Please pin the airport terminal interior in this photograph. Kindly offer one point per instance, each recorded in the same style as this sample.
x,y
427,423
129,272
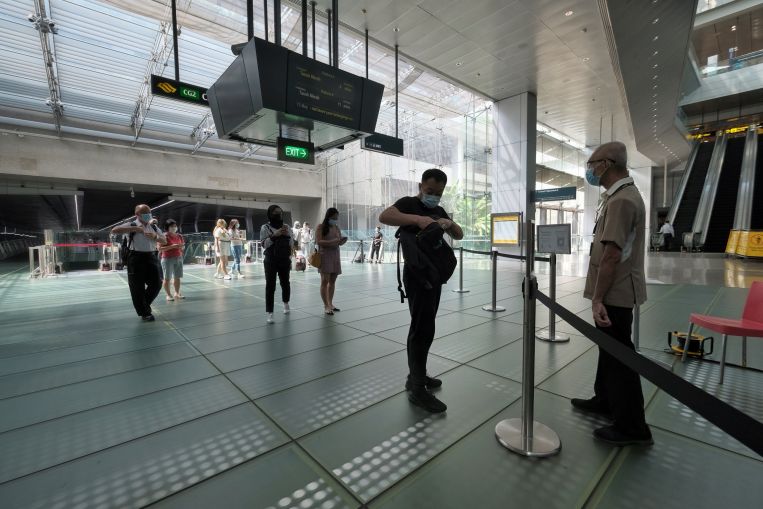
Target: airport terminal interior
x,y
187,116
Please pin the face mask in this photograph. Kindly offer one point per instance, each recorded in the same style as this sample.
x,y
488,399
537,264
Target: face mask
x,y
173,229
145,217
592,179
430,200
235,226
333,222
276,220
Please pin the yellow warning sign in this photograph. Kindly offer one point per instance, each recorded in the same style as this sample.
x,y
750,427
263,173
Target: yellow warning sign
x,y
750,244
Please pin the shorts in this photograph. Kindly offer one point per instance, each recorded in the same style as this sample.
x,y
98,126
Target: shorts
x,y
172,267
224,249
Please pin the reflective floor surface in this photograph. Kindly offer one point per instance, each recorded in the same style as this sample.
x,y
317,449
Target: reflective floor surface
x,y
210,407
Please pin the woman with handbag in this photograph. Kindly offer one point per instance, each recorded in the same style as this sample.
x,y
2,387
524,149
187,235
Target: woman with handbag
x,y
328,238
278,244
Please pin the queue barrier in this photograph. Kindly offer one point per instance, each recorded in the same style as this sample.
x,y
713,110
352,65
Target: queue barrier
x,y
731,420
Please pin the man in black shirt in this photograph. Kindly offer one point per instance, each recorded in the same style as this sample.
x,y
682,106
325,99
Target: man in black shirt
x,y
416,213
376,245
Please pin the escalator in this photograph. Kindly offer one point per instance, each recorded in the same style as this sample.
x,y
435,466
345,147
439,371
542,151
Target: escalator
x,y
722,217
756,221
691,196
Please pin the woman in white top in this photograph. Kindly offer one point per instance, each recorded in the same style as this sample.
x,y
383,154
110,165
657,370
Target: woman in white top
x,y
222,249
237,244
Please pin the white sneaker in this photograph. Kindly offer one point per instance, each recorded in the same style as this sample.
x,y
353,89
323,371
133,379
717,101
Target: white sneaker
x,y
227,277
270,318
286,309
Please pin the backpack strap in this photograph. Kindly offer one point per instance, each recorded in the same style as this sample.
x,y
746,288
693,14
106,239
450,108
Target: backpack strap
x,y
403,296
132,234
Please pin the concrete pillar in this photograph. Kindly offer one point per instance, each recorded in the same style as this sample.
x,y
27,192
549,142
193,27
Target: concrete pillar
x,y
513,176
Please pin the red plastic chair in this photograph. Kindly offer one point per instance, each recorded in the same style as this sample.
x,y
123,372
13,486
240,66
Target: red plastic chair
x,y
751,324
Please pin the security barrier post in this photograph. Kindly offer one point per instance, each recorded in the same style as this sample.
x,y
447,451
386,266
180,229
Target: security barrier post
x,y
550,335
492,306
460,288
524,435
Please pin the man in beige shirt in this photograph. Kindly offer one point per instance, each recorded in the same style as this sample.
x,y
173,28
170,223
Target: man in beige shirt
x,y
615,284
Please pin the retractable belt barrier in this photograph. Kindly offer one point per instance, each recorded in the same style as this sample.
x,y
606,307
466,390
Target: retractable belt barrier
x,y
736,423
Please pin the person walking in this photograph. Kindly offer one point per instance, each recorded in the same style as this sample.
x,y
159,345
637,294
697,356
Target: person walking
x,y
222,249
328,238
667,234
376,244
416,213
171,254
614,284
277,242
143,269
237,245
306,239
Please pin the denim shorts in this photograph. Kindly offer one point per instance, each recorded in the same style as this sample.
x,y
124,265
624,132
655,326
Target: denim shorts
x,y
172,267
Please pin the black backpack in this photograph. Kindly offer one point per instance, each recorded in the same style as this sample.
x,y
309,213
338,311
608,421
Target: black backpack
x,y
281,247
428,256
124,249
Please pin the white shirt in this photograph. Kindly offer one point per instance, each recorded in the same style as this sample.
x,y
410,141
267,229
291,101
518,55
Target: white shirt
x,y
667,228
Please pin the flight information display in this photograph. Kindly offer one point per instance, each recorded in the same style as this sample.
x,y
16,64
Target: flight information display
x,y
323,93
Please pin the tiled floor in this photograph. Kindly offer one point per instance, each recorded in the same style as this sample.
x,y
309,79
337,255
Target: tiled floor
x,y
210,407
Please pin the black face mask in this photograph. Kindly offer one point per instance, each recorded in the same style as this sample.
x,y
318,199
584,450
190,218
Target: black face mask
x,y
276,220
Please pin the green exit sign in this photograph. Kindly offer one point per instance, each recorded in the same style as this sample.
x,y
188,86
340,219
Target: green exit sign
x,y
296,151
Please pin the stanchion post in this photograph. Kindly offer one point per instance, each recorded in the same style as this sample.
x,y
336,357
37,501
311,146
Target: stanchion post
x,y
525,436
460,288
550,335
493,307
636,323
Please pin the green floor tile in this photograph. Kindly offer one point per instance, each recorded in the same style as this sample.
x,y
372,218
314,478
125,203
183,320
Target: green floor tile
x,y
549,358
373,449
377,324
479,472
300,483
266,351
34,448
24,383
52,403
476,341
677,473
274,376
143,471
311,406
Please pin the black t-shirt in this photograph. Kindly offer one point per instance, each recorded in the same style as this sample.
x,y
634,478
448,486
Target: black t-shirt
x,y
413,205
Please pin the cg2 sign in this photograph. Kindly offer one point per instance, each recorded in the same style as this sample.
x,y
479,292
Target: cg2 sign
x,y
178,90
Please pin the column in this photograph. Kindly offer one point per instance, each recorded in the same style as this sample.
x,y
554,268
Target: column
x,y
513,175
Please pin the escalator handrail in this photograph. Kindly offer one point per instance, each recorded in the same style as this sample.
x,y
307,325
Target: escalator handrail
x,y
709,189
682,185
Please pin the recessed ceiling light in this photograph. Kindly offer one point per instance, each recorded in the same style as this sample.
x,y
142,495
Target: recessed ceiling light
x,y
459,64
655,66
569,13
733,28
654,87
396,29
586,59
655,76
655,38
655,21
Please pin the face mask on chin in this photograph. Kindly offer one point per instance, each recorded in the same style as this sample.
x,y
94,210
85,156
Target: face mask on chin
x,y
173,229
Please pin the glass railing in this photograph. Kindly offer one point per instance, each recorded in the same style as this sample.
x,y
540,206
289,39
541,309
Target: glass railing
x,y
733,64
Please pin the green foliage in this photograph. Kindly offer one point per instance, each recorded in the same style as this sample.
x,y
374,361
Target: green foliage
x,y
471,212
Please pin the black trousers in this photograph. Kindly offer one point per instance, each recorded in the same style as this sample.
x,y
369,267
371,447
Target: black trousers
x,y
617,386
423,304
281,268
668,238
144,276
375,251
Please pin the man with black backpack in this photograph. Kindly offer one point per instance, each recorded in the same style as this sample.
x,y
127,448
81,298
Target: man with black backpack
x,y
143,269
429,262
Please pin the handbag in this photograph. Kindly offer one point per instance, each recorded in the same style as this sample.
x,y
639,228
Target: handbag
x,y
315,259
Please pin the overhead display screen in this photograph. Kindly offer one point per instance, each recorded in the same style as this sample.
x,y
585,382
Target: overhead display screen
x,y
323,93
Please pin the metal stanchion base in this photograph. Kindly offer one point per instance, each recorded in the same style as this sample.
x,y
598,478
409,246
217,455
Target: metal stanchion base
x,y
547,337
497,309
460,290
545,442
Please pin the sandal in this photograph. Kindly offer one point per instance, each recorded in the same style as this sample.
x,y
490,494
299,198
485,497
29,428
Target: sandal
x,y
336,309
179,296
329,312
170,299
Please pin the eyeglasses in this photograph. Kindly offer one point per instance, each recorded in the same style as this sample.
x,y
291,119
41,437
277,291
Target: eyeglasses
x,y
593,163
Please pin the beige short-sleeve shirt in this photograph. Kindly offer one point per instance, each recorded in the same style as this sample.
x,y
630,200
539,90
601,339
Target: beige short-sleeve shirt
x,y
622,221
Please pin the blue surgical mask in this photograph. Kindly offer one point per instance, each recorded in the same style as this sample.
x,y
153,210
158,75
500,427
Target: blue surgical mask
x,y
592,179
333,222
145,218
430,200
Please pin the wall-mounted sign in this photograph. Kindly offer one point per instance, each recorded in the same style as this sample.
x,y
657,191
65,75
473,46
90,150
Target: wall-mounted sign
x,y
383,143
296,151
555,238
504,228
555,194
167,87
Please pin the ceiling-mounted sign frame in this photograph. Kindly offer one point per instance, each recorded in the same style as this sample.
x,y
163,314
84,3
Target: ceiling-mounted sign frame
x,y
178,90
555,194
383,144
